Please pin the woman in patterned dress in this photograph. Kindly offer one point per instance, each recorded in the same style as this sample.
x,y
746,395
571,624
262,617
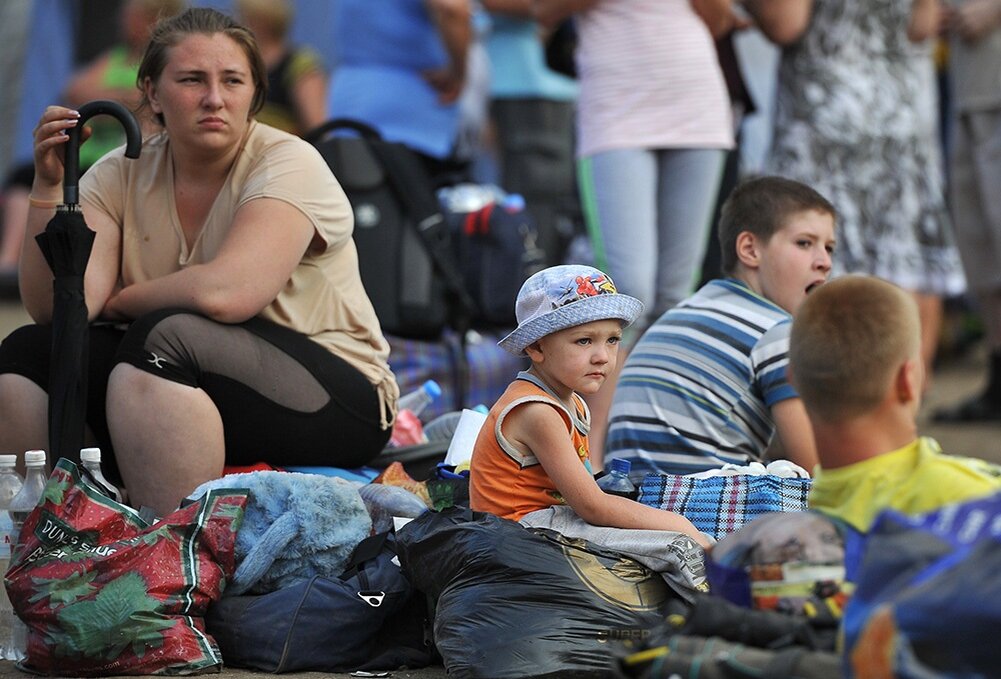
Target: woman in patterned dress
x,y
856,120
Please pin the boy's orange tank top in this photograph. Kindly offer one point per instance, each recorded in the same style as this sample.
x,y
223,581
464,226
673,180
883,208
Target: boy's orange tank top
x,y
507,482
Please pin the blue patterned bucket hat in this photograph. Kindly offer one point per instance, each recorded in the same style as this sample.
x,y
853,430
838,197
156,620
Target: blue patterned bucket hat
x,y
562,297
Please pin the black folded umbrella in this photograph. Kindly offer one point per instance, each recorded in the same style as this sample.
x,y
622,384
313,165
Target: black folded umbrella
x,y
66,244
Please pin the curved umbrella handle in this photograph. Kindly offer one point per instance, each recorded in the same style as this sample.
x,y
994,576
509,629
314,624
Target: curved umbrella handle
x,y
133,142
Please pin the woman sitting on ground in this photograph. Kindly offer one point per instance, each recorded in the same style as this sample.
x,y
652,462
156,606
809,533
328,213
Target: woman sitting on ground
x,y
241,331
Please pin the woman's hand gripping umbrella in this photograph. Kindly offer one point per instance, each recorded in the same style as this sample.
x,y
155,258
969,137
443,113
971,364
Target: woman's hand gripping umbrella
x,y
66,244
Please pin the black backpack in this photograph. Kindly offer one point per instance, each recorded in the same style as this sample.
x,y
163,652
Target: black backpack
x,y
404,246
496,250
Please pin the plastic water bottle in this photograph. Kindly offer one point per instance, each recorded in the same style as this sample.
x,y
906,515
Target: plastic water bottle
x,y
383,502
616,481
465,198
443,427
90,459
21,506
419,399
10,483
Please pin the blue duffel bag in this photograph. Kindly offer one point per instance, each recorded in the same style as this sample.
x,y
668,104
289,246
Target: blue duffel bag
x,y
368,618
927,602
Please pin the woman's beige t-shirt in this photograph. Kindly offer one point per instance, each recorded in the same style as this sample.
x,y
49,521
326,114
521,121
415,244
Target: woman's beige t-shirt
x,y
324,299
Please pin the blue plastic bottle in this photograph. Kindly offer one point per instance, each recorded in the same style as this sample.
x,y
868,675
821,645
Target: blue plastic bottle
x,y
420,398
616,481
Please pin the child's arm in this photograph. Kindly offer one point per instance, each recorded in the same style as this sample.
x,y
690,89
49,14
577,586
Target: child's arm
x,y
541,429
795,435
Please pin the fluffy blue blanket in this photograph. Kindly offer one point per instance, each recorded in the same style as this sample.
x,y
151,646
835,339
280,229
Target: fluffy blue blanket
x,y
295,526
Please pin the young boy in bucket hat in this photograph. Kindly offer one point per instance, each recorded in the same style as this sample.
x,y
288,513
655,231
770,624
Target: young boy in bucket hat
x,y
706,384
532,451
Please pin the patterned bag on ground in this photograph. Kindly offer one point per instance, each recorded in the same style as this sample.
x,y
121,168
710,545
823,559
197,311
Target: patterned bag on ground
x,y
104,593
719,505
793,563
517,602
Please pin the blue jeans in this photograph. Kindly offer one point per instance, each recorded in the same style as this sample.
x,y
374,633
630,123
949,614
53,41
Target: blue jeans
x,y
648,212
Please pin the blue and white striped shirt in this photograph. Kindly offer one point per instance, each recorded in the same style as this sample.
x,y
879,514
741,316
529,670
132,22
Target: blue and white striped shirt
x,y
696,390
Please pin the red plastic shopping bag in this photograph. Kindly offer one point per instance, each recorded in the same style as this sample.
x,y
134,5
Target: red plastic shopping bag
x,y
103,592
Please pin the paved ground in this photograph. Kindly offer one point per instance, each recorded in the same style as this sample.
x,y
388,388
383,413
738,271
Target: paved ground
x,y
953,380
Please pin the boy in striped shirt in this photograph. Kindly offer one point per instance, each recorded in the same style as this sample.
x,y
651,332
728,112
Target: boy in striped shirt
x,y
706,384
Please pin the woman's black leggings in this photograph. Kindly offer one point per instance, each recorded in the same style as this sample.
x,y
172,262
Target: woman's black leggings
x,y
283,398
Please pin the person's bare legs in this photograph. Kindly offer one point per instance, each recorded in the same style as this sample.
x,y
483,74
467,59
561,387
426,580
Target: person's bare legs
x,y
24,408
930,311
990,311
168,437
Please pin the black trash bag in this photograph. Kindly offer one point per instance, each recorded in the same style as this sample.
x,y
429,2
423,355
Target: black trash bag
x,y
519,602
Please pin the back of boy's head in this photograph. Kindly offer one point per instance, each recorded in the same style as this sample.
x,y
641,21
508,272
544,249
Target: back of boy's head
x,y
761,206
848,340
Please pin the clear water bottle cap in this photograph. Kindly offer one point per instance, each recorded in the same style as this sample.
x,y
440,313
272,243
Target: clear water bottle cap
x,y
432,389
620,465
34,458
90,455
8,460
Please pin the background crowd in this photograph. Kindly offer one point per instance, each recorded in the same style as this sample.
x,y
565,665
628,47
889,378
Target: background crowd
x,y
624,162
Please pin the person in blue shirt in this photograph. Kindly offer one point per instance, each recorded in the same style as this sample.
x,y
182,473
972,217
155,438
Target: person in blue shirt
x,y
401,68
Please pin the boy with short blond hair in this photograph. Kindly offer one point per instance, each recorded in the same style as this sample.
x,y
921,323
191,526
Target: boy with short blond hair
x,y
706,384
532,451
855,359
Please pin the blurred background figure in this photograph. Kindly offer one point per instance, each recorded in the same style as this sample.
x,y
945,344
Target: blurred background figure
x,y
974,30
653,128
401,68
297,77
856,118
111,75
15,18
532,110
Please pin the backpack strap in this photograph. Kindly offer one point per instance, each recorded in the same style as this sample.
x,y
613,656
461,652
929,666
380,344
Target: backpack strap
x,y
365,552
410,181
